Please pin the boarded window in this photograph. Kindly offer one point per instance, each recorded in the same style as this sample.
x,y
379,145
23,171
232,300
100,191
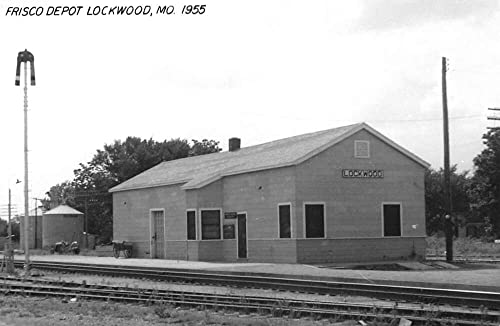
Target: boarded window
x,y
361,149
315,221
191,225
228,231
210,225
284,220
392,220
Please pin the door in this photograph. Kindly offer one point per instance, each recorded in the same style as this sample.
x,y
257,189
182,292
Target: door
x,y
242,236
158,234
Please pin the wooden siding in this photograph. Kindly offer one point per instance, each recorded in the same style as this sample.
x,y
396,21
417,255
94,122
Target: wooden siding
x,y
358,250
353,210
272,251
258,194
31,231
211,250
131,215
353,206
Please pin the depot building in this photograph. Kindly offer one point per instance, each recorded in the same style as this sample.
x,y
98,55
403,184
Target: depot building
x,y
347,194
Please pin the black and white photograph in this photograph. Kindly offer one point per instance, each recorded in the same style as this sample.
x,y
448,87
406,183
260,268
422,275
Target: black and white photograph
x,y
250,162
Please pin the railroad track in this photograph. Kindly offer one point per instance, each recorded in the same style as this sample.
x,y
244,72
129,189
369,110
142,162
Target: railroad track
x,y
418,314
473,299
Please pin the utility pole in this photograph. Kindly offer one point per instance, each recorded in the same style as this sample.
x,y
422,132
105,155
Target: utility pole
x,y
448,225
26,56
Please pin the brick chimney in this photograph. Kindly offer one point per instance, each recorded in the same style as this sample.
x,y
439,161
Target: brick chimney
x,y
234,144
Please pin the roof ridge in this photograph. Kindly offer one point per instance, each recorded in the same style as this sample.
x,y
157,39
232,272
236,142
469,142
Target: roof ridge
x,y
196,171
243,149
303,135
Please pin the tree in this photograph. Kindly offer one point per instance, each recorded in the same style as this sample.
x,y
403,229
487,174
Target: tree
x,y
59,194
117,162
487,181
434,197
204,147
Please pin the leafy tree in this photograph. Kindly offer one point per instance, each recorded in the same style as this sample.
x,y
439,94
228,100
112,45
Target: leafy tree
x,y
487,181
434,197
61,193
117,162
204,147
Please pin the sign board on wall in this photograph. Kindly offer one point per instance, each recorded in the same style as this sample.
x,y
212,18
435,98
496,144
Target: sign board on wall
x,y
229,215
354,173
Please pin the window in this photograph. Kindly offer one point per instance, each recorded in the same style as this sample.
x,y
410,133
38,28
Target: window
x,y
284,220
191,225
392,220
315,220
210,224
361,148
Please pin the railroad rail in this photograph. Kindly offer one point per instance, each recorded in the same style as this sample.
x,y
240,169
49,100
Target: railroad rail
x,y
418,314
468,298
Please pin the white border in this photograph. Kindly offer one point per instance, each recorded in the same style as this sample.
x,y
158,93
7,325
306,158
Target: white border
x,y
400,217
151,226
291,219
220,223
304,218
195,224
246,231
361,141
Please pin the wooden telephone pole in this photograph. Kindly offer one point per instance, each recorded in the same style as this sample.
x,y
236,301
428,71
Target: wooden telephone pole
x,y
448,225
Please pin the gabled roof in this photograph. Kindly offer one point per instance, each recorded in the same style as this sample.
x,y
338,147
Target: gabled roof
x,y
63,210
198,171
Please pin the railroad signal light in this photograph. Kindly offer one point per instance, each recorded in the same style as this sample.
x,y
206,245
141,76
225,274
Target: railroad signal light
x,y
25,56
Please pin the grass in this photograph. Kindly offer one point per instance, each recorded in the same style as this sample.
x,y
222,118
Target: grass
x,y
31,311
465,247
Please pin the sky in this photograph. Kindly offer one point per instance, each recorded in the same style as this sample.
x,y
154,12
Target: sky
x,y
257,70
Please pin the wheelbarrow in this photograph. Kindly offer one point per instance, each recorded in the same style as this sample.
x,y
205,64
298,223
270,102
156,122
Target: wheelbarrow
x,y
119,246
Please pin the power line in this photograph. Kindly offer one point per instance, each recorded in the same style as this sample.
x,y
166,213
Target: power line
x,y
431,119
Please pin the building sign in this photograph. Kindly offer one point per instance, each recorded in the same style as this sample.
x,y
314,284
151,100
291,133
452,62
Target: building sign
x,y
371,174
229,215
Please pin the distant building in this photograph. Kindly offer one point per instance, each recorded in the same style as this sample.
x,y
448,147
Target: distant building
x,y
35,228
60,223
338,195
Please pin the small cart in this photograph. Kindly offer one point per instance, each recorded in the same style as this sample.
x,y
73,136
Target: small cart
x,y
124,246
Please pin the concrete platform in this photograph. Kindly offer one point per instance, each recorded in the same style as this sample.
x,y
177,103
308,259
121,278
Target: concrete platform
x,y
484,277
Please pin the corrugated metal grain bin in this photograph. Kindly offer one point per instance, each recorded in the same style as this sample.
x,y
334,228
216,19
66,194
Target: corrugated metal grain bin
x,y
62,223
